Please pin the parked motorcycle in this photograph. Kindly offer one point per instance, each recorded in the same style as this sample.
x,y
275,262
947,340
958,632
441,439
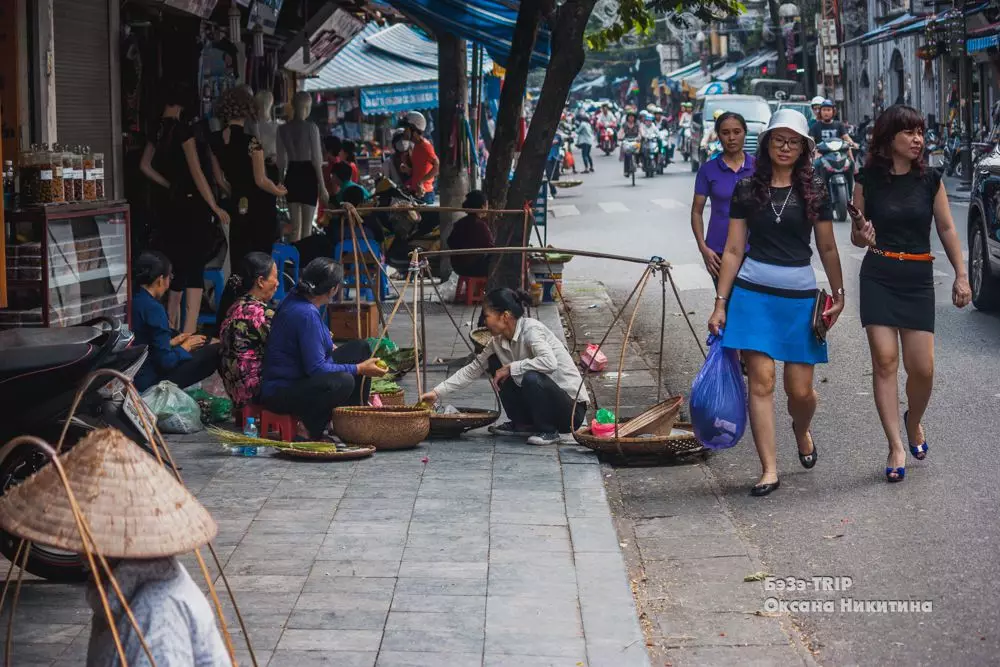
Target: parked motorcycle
x,y
650,153
608,140
934,154
631,148
833,163
40,373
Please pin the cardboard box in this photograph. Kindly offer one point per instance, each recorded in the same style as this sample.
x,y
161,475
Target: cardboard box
x,y
344,320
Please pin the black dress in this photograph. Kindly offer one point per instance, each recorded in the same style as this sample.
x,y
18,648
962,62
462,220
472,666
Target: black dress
x,y
185,229
894,293
253,212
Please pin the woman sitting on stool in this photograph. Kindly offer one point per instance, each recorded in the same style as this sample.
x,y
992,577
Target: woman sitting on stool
x,y
472,231
537,379
304,374
183,359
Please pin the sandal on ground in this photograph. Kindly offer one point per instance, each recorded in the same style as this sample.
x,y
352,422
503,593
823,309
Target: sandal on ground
x,y
919,452
808,461
764,489
893,475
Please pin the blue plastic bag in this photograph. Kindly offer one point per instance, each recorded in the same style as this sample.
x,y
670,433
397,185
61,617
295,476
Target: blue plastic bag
x,y
719,398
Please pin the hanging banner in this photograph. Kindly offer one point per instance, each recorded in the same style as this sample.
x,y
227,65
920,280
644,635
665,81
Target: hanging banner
x,y
332,35
200,8
400,97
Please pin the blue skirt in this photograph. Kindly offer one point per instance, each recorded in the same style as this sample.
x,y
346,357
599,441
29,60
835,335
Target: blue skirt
x,y
776,325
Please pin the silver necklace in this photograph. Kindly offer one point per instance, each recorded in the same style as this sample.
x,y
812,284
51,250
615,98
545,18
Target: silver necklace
x,y
777,213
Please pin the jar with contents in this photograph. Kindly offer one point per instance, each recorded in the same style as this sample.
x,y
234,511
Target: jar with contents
x,y
89,175
69,176
28,173
49,177
78,174
99,175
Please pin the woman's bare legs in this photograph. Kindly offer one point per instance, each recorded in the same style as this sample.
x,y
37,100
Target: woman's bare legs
x,y
801,403
761,376
884,344
918,360
192,299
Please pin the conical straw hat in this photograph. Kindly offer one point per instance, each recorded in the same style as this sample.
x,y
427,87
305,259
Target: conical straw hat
x,y
134,507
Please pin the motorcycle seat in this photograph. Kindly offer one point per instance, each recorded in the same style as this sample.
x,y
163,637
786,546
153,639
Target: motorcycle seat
x,y
26,337
23,361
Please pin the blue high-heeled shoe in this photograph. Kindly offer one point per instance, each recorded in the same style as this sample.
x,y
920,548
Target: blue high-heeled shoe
x,y
893,475
919,452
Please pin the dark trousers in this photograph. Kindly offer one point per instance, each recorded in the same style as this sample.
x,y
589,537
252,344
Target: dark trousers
x,y
203,362
552,172
588,162
314,398
538,402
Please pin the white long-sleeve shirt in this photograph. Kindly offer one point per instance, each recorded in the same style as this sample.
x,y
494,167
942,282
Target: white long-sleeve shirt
x,y
533,348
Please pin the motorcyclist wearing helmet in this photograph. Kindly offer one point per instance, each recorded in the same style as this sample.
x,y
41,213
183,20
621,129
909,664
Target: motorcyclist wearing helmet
x,y
424,160
629,131
710,135
816,104
826,128
646,128
685,117
607,117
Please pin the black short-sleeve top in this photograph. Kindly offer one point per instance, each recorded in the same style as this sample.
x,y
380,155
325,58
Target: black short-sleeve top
x,y
900,207
782,239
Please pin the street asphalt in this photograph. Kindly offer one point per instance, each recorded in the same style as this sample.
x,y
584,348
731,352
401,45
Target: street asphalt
x,y
933,538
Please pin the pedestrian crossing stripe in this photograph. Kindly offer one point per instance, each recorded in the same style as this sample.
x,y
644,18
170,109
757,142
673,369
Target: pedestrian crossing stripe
x,y
670,204
613,207
563,210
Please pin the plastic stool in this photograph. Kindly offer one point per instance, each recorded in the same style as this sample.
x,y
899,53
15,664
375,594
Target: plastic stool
x,y
470,290
284,425
282,253
218,281
246,412
370,254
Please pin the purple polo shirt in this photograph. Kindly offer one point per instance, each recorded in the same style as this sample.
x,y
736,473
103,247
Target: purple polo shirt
x,y
717,181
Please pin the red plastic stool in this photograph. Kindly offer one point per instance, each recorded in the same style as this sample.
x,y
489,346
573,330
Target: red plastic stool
x,y
246,412
284,425
470,290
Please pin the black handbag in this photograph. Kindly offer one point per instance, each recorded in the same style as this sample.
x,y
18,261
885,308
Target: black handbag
x,y
822,303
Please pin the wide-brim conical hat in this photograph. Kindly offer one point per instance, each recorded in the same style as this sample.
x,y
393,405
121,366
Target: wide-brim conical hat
x,y
134,507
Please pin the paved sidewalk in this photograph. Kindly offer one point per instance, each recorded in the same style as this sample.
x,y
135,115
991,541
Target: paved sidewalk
x,y
473,551
683,549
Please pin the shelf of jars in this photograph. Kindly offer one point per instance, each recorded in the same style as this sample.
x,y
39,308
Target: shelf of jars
x,y
67,263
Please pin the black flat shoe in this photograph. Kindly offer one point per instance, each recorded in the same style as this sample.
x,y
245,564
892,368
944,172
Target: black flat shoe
x,y
764,489
808,461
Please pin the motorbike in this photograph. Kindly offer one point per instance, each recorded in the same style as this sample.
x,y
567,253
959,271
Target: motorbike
x,y
40,373
666,154
714,149
934,154
403,231
833,163
632,149
687,149
608,140
650,155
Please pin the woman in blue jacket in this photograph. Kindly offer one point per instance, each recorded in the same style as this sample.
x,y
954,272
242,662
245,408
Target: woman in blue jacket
x,y
304,374
183,359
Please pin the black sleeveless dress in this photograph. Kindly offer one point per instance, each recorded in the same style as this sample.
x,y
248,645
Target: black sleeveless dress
x,y
253,212
894,293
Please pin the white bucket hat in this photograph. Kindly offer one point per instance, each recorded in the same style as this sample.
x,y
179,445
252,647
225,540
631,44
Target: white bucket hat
x,y
788,119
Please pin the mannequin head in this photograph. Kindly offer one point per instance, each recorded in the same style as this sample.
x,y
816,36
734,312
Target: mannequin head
x,y
264,101
302,104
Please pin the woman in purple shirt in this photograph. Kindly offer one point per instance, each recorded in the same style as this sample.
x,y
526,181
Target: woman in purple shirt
x,y
304,374
716,181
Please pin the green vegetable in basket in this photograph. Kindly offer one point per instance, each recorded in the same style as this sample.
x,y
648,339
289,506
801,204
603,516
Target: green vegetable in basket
x,y
382,386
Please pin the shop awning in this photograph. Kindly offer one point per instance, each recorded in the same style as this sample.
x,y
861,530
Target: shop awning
x,y
487,22
759,60
977,44
897,22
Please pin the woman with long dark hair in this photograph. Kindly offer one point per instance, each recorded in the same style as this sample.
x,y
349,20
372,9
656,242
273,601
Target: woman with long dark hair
x,y
184,199
716,181
895,199
767,286
246,326
304,374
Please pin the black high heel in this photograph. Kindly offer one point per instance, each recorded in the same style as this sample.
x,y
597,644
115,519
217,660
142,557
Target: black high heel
x,y
919,452
808,461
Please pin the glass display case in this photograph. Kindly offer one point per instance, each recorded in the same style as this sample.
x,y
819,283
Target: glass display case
x,y
67,263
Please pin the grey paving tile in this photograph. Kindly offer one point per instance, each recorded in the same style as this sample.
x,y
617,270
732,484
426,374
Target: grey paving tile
x,y
24,653
285,527
683,627
514,660
388,515
415,659
255,564
726,593
376,587
532,616
373,546
449,632
604,653
606,601
587,503
691,546
378,490
296,543
527,517
458,528
302,488
514,537
582,477
357,568
440,586
469,604
354,503
363,641
576,454
745,656
520,643
339,611
264,633
444,569
594,534
266,583
684,526
324,658
386,528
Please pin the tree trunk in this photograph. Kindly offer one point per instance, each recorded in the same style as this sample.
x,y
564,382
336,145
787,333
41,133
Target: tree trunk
x,y
779,39
453,96
567,59
511,99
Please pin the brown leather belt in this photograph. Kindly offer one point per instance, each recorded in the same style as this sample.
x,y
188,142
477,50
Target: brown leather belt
x,y
904,256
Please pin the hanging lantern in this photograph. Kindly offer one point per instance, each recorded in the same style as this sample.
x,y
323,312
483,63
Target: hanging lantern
x,y
258,41
234,23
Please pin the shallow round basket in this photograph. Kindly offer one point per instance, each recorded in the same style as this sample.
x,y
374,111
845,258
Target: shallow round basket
x,y
454,425
481,338
392,398
673,444
382,428
568,183
348,454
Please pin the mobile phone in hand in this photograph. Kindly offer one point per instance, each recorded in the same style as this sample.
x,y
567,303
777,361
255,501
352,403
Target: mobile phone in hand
x,y
853,210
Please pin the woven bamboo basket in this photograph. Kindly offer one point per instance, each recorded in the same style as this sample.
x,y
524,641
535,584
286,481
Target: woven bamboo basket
x,y
382,428
348,454
454,425
658,420
392,398
480,338
680,441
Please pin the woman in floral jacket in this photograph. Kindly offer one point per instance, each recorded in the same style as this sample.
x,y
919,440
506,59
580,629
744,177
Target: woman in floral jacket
x,y
246,327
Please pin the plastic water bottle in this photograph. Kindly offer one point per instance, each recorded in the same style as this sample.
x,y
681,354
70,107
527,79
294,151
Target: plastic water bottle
x,y
249,430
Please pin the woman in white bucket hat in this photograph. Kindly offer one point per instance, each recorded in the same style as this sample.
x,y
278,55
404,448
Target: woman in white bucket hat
x,y
767,287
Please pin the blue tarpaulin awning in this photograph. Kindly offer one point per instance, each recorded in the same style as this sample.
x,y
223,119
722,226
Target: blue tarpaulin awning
x,y
486,22
977,44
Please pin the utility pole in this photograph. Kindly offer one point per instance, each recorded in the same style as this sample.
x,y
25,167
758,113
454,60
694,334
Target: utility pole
x,y
779,39
965,94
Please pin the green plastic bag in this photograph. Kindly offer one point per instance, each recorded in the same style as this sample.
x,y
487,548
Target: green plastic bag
x,y
386,348
605,416
214,409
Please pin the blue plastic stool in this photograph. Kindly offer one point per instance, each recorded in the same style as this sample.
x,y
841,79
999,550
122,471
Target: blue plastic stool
x,y
282,253
365,250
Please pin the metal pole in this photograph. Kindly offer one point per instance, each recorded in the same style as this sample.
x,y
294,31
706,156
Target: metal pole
x,y
965,106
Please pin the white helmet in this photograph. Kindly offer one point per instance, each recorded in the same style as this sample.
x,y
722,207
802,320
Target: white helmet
x,y
817,101
416,120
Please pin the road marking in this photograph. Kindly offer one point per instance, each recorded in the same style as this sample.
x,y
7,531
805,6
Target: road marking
x,y
613,207
563,210
670,204
941,274
691,277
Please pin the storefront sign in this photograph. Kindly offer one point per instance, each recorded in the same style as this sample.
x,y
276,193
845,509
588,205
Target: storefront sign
x,y
401,97
264,13
331,37
200,8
